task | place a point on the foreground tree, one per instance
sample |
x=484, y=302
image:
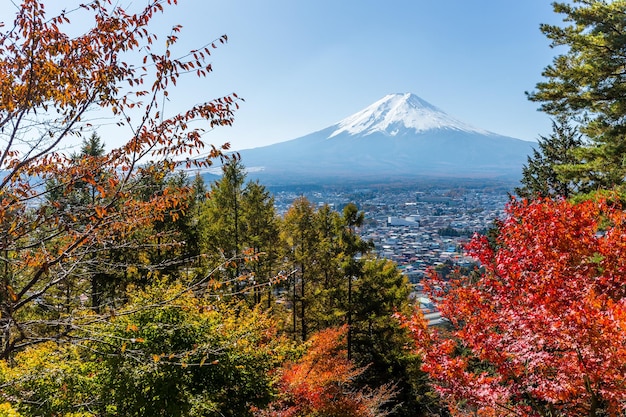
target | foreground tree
x=238, y=224
x=586, y=84
x=351, y=246
x=82, y=197
x=344, y=285
x=379, y=342
x=550, y=172
x=542, y=330
x=53, y=88
x=260, y=227
x=322, y=383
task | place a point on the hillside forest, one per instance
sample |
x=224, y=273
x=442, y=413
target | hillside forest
x=130, y=287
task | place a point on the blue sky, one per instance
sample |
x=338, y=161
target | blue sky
x=302, y=65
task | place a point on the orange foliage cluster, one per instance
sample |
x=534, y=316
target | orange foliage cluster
x=542, y=331
x=321, y=383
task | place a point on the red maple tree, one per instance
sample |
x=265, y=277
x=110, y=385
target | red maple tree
x=542, y=329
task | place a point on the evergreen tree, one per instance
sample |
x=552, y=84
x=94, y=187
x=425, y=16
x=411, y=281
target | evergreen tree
x=221, y=220
x=77, y=200
x=92, y=146
x=77, y=196
x=190, y=229
x=339, y=283
x=329, y=307
x=351, y=246
x=301, y=239
x=586, y=84
x=260, y=229
x=238, y=231
x=550, y=171
x=379, y=342
x=167, y=232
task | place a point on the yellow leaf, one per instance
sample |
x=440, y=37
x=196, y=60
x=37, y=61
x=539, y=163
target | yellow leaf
x=11, y=292
x=156, y=358
x=100, y=211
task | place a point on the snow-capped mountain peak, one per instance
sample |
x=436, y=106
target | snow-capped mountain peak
x=394, y=114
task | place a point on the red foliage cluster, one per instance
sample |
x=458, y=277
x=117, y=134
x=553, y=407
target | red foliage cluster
x=542, y=330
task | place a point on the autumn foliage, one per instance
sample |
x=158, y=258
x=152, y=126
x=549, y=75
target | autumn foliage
x=55, y=89
x=542, y=330
x=322, y=383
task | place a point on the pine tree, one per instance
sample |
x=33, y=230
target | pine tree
x=379, y=343
x=352, y=245
x=190, y=230
x=222, y=219
x=329, y=307
x=300, y=237
x=339, y=283
x=260, y=231
x=77, y=199
x=92, y=146
x=551, y=170
x=586, y=84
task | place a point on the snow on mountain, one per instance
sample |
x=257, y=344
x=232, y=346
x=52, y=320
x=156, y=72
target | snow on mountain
x=394, y=114
x=400, y=136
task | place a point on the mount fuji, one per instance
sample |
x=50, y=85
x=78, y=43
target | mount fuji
x=399, y=137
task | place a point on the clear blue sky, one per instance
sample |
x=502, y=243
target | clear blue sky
x=302, y=65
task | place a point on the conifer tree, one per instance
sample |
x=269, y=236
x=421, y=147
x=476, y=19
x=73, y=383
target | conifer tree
x=345, y=285
x=238, y=229
x=222, y=218
x=329, y=308
x=352, y=245
x=80, y=197
x=260, y=229
x=551, y=170
x=300, y=237
x=379, y=343
x=190, y=229
x=586, y=84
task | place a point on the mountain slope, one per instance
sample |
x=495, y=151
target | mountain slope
x=398, y=137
